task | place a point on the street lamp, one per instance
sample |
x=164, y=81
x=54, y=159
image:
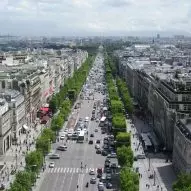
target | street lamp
x=154, y=178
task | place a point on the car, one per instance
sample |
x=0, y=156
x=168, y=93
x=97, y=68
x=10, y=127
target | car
x=69, y=134
x=113, y=165
x=96, y=129
x=108, y=185
x=54, y=156
x=104, y=153
x=103, y=132
x=86, y=119
x=93, y=180
x=62, y=137
x=99, y=175
x=66, y=130
x=98, y=151
x=90, y=142
x=91, y=172
x=97, y=120
x=112, y=155
x=91, y=135
x=62, y=148
x=100, y=186
x=51, y=165
x=97, y=146
x=107, y=160
x=92, y=118
x=140, y=156
x=108, y=176
x=80, y=119
x=98, y=141
x=108, y=170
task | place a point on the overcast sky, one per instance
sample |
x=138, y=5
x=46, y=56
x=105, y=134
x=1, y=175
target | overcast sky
x=94, y=17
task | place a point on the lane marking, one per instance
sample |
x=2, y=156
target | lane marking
x=64, y=170
x=68, y=170
x=58, y=170
x=71, y=170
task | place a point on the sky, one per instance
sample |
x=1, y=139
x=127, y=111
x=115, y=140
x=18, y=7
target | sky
x=94, y=17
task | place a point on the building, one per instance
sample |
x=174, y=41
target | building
x=182, y=146
x=16, y=103
x=162, y=90
x=5, y=126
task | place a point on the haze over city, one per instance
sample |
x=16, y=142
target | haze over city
x=93, y=17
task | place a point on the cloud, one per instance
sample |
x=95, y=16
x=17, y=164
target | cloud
x=90, y=17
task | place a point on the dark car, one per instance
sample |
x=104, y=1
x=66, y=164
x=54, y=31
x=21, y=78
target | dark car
x=98, y=141
x=108, y=176
x=90, y=142
x=104, y=153
x=91, y=135
x=103, y=132
x=92, y=118
x=108, y=170
x=98, y=151
x=108, y=185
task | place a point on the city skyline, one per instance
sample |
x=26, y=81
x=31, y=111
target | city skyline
x=102, y=18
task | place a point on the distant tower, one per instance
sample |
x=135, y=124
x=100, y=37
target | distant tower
x=158, y=36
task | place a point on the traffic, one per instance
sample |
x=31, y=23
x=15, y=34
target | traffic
x=92, y=135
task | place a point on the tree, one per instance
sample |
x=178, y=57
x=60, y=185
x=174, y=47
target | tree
x=129, y=180
x=123, y=138
x=182, y=183
x=53, y=104
x=43, y=145
x=34, y=160
x=49, y=134
x=24, y=178
x=125, y=156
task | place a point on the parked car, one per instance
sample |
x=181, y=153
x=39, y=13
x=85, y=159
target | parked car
x=108, y=185
x=90, y=142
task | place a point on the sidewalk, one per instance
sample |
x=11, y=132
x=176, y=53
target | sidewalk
x=14, y=159
x=163, y=172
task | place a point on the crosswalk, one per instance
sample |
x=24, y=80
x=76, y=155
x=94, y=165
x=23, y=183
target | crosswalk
x=70, y=170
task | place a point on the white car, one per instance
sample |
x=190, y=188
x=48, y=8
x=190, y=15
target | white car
x=62, y=137
x=86, y=119
x=91, y=172
x=69, y=134
x=97, y=146
x=51, y=165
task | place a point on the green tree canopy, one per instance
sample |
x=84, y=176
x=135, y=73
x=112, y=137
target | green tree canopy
x=125, y=156
x=183, y=183
x=123, y=138
x=129, y=180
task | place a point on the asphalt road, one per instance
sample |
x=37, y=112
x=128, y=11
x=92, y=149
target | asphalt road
x=67, y=173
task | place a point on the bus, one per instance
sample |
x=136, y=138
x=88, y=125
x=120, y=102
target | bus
x=102, y=121
x=81, y=137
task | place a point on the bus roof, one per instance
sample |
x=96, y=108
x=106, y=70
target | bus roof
x=81, y=133
x=103, y=119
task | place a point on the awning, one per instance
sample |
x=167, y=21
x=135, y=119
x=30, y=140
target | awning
x=44, y=109
x=25, y=127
